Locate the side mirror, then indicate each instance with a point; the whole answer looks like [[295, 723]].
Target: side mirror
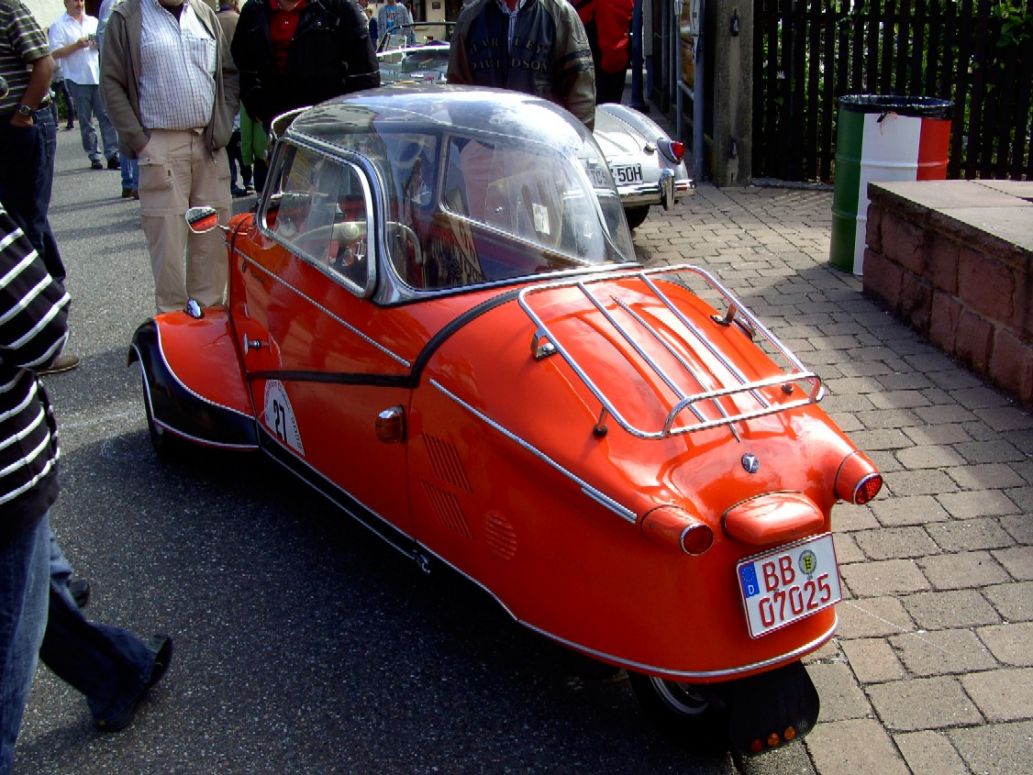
[[201, 220]]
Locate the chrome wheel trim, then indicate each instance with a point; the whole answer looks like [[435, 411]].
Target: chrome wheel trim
[[682, 698]]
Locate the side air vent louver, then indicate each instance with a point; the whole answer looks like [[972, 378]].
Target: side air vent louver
[[500, 535], [444, 459], [446, 506]]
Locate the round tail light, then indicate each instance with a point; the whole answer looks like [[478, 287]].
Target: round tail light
[[857, 480]]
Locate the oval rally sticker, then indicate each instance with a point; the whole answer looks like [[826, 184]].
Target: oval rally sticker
[[279, 416]]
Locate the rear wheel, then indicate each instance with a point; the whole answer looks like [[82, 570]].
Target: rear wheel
[[636, 215], [690, 715]]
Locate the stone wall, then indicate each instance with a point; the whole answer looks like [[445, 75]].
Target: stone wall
[[954, 259]]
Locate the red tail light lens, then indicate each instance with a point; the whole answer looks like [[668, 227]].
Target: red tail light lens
[[857, 480], [867, 489], [672, 149]]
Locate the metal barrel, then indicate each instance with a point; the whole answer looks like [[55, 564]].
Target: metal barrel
[[881, 138]]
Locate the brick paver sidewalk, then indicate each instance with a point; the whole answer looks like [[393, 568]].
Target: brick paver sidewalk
[[931, 670]]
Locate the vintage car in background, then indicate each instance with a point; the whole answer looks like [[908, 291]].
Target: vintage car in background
[[436, 318], [647, 165]]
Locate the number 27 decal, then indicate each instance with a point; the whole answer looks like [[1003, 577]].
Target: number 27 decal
[[279, 416]]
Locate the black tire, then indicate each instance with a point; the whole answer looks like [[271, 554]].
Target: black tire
[[636, 215], [690, 715], [168, 447]]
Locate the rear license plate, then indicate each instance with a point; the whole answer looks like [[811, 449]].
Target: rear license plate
[[788, 584], [623, 174]]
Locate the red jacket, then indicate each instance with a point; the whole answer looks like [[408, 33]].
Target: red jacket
[[612, 23]]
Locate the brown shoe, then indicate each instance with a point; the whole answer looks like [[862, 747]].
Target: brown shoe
[[64, 362]]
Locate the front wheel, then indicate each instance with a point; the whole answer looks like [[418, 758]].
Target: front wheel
[[168, 446]]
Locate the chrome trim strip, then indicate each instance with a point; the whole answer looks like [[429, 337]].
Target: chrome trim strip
[[372, 342], [597, 495]]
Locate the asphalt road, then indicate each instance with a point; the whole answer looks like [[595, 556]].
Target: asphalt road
[[302, 644]]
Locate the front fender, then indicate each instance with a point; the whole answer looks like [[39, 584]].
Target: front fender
[[193, 383]]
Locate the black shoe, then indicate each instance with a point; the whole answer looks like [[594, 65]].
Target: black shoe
[[238, 191], [64, 362], [114, 164], [96, 164], [127, 193], [69, 125], [161, 645], [80, 590]]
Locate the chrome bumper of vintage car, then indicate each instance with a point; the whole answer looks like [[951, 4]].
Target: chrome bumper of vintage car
[[652, 193]]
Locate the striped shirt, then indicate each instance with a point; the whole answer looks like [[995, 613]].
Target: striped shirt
[[22, 42], [177, 69], [33, 330]]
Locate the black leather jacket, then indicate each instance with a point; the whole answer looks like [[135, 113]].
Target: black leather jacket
[[329, 55], [550, 57]]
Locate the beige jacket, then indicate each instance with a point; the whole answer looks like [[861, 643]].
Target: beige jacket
[[120, 65]]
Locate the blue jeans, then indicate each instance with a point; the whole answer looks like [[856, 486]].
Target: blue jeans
[[24, 580], [130, 172], [87, 105], [26, 178], [108, 665]]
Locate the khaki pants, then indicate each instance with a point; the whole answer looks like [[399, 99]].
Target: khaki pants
[[177, 172]]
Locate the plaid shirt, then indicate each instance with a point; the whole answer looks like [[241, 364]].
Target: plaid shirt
[[22, 42]]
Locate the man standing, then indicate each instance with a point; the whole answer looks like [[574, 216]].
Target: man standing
[[534, 46], [130, 166], [608, 25], [392, 16], [171, 90], [73, 41], [294, 53]]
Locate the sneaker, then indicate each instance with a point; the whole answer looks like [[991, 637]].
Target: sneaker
[[64, 362], [114, 164], [69, 125], [238, 191], [161, 645], [127, 193], [96, 164]]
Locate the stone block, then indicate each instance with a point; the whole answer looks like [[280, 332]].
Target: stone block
[[841, 697], [873, 228], [941, 652], [1010, 643], [966, 535], [872, 660], [1019, 527], [986, 285], [903, 242], [908, 510], [962, 570], [976, 503], [882, 279], [930, 752], [1013, 601], [1018, 561], [886, 577], [853, 746], [923, 703], [943, 321], [955, 608], [874, 617], [942, 262], [974, 340], [895, 543], [916, 301], [1011, 365], [1022, 319], [1001, 749], [1002, 695]]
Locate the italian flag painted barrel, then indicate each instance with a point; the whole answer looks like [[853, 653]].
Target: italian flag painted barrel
[[881, 138]]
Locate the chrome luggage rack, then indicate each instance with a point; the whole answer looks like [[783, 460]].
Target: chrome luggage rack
[[687, 385]]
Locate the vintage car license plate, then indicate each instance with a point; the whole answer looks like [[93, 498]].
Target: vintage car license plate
[[626, 173], [789, 584]]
